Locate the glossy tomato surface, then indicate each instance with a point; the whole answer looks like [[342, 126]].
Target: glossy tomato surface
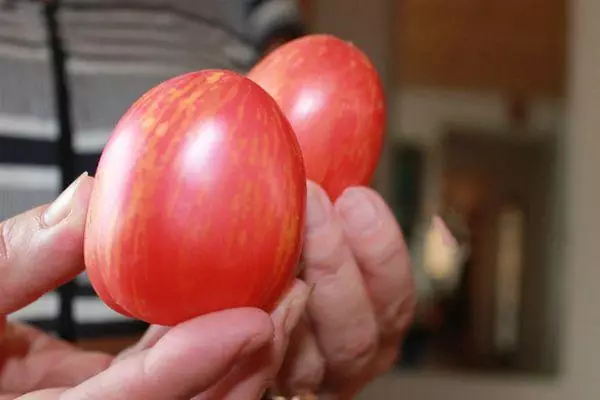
[[333, 97], [198, 202]]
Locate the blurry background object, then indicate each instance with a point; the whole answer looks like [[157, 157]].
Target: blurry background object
[[477, 99], [511, 228], [443, 256]]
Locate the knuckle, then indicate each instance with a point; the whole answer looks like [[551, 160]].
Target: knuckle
[[304, 367], [356, 351], [386, 360], [388, 252], [398, 317], [308, 378], [327, 253]]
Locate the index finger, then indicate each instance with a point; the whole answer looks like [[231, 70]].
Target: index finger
[[378, 245], [340, 309], [43, 248]]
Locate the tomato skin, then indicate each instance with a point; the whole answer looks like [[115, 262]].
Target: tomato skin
[[99, 286], [333, 97], [198, 202]]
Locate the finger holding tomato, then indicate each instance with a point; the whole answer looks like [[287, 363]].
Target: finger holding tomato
[[362, 301], [228, 354]]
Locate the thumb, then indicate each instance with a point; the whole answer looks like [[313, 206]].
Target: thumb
[[189, 359], [43, 248]]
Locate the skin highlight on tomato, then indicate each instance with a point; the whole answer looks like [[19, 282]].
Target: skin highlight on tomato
[[198, 202], [332, 95]]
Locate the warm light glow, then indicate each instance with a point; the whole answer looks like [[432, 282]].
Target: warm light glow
[[442, 254]]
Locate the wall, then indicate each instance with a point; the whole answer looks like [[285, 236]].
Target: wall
[[494, 44], [421, 114], [579, 313]]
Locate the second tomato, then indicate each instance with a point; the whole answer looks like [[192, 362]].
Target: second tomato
[[332, 95]]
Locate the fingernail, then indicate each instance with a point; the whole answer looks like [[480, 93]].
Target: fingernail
[[61, 207], [288, 313], [358, 212], [293, 314], [318, 206]]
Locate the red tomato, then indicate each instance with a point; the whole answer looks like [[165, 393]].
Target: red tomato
[[198, 203], [333, 97]]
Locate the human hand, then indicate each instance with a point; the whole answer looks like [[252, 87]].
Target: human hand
[[230, 354], [362, 301]]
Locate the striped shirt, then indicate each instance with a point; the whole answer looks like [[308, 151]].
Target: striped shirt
[[115, 51]]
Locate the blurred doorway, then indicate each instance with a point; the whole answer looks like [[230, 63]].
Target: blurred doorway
[[503, 186], [497, 197]]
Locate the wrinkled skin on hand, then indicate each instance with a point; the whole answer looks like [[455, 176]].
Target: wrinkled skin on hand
[[362, 300], [202, 358], [338, 328]]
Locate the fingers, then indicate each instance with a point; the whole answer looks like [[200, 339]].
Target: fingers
[[303, 370], [153, 334], [33, 359], [286, 317], [339, 306], [189, 359], [379, 248], [43, 248], [385, 360], [250, 379]]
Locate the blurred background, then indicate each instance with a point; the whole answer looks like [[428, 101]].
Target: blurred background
[[493, 116]]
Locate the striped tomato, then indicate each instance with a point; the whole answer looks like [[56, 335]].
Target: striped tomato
[[333, 97], [198, 202]]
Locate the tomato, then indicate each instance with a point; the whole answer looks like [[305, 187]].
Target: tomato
[[198, 203], [333, 97]]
